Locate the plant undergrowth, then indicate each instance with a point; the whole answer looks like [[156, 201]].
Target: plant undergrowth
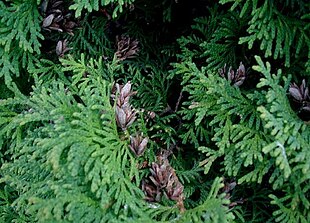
[[154, 111]]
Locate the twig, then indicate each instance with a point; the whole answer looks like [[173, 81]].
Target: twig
[[178, 102]]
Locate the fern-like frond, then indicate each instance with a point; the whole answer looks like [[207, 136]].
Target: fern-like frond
[[289, 146], [223, 48], [91, 160], [19, 37], [20, 22], [92, 40], [279, 35]]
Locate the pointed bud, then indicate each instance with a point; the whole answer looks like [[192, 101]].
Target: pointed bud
[[126, 89], [222, 71], [300, 93], [143, 144], [120, 117], [306, 94], [295, 92], [239, 82], [130, 116], [231, 74], [62, 48], [236, 78], [59, 48], [160, 175], [138, 145], [126, 48], [302, 86], [241, 70], [48, 20]]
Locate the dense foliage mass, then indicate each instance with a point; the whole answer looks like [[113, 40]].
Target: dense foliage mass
[[154, 111]]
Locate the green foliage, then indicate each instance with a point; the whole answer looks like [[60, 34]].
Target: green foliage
[[214, 209], [280, 35], [230, 114], [8, 214], [289, 146], [93, 5], [86, 165], [19, 37], [223, 47], [212, 204], [92, 40], [215, 40], [78, 168], [224, 152], [152, 88], [247, 128], [20, 22]]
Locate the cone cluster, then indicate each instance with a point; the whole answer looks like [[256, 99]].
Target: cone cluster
[[125, 114], [236, 78], [163, 181], [126, 48], [56, 17]]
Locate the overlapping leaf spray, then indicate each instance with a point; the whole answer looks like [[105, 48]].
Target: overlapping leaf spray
[[163, 179]]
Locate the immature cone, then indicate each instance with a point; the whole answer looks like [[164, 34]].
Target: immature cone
[[239, 77], [236, 78], [56, 17], [62, 48], [228, 187], [163, 180], [301, 94], [124, 94], [138, 144], [174, 189], [126, 48], [160, 175], [125, 115]]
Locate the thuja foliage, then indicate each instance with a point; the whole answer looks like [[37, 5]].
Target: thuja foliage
[[154, 111]]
